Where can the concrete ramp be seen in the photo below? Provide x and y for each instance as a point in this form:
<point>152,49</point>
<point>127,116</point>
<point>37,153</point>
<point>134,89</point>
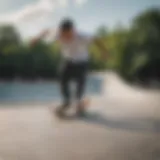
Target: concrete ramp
<point>29,134</point>
<point>122,124</point>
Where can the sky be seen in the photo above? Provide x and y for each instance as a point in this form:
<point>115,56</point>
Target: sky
<point>32,16</point>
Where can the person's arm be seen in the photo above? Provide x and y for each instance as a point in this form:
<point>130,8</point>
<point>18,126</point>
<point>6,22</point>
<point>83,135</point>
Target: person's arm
<point>42,35</point>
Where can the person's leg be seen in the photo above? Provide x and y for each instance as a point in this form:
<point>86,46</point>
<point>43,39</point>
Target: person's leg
<point>81,84</point>
<point>65,90</point>
<point>64,84</point>
<point>66,76</point>
<point>82,69</point>
<point>81,81</point>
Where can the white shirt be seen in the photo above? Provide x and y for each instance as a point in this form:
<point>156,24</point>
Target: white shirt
<point>77,49</point>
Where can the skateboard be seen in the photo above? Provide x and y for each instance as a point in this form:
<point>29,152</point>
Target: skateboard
<point>72,114</point>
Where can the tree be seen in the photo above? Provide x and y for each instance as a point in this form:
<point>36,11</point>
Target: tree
<point>102,31</point>
<point>135,51</point>
<point>146,40</point>
<point>9,38</point>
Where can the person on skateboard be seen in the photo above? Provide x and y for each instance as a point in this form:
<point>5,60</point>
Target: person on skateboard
<point>74,48</point>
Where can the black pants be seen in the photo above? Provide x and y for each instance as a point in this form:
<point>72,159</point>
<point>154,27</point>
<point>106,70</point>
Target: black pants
<point>73,71</point>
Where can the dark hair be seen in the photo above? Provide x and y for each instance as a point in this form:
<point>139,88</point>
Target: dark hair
<point>66,25</point>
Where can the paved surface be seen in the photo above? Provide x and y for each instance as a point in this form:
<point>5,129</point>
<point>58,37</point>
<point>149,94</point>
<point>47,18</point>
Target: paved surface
<point>122,124</point>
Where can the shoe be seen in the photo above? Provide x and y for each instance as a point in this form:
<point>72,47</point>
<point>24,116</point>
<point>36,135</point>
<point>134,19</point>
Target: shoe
<point>60,111</point>
<point>80,109</point>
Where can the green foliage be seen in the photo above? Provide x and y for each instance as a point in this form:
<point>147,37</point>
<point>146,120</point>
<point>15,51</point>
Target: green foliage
<point>9,38</point>
<point>133,52</point>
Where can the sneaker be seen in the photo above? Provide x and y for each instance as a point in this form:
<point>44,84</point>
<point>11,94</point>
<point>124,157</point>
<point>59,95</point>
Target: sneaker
<point>81,109</point>
<point>60,111</point>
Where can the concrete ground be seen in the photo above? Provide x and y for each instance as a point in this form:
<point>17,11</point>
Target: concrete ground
<point>122,124</point>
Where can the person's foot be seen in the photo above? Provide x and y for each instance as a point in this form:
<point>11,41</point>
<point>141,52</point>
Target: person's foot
<point>81,109</point>
<point>61,109</point>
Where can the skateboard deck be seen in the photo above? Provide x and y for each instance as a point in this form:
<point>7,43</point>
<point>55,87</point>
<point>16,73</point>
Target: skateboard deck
<point>72,114</point>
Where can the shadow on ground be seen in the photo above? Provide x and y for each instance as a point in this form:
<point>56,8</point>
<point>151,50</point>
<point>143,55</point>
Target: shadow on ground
<point>147,125</point>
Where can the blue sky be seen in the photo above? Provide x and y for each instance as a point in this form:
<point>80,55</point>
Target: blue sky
<point>88,15</point>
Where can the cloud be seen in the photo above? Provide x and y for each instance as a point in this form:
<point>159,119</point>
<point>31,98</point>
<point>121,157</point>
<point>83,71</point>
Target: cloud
<point>35,10</point>
<point>34,17</point>
<point>63,3</point>
<point>80,2</point>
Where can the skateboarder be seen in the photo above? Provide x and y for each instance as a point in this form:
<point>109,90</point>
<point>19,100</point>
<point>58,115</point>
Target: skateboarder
<point>74,49</point>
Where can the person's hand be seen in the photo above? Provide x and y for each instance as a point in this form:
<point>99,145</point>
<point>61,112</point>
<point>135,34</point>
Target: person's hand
<point>41,36</point>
